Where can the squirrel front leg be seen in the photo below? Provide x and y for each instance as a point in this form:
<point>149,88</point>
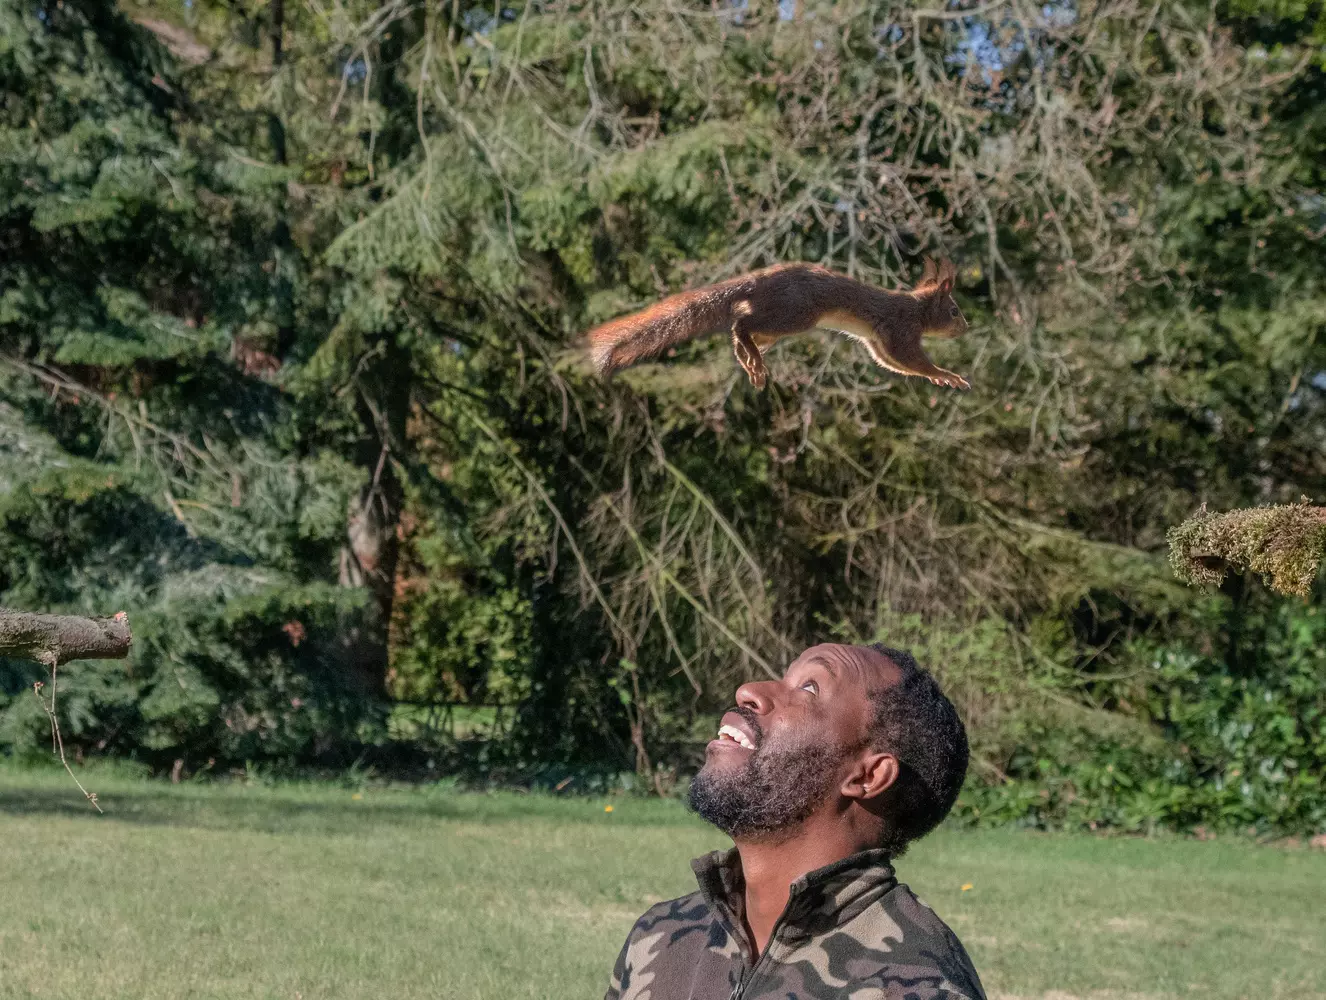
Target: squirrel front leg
<point>748,355</point>
<point>906,356</point>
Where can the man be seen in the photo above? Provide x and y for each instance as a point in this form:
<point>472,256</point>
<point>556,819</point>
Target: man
<point>820,779</point>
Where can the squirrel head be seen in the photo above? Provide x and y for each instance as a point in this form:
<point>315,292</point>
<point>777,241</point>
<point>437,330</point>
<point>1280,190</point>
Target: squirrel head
<point>939,310</point>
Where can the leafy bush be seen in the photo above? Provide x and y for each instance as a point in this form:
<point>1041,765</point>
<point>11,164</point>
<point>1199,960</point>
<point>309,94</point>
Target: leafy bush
<point>1244,746</point>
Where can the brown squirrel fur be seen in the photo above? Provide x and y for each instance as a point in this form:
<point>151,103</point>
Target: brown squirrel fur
<point>788,299</point>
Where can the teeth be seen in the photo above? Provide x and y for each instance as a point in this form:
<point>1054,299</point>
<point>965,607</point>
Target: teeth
<point>735,734</point>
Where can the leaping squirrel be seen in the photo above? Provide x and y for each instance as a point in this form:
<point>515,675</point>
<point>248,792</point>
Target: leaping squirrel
<point>788,299</point>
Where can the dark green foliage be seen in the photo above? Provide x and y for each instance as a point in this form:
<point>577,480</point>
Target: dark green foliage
<point>710,532</point>
<point>264,677</point>
<point>141,469</point>
<point>1241,748</point>
<point>98,259</point>
<point>233,658</point>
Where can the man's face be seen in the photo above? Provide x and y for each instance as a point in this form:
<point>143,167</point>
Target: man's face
<point>784,751</point>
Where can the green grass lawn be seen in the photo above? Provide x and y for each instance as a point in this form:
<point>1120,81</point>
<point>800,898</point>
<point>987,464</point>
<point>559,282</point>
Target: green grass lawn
<point>307,892</point>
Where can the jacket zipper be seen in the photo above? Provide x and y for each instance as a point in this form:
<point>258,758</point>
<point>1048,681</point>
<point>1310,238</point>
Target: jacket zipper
<point>736,990</point>
<point>744,979</point>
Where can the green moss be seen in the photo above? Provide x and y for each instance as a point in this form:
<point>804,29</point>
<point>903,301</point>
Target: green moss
<point>1284,543</point>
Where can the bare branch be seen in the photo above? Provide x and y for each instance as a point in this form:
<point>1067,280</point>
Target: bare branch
<point>54,639</point>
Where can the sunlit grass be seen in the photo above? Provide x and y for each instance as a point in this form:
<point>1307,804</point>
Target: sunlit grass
<point>305,891</point>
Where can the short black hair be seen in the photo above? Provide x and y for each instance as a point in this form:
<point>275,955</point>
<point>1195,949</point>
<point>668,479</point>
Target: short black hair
<point>915,722</point>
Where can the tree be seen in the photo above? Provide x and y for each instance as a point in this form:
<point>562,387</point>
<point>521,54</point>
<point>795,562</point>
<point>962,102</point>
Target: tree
<point>148,449</point>
<point>398,221</point>
<point>573,165</point>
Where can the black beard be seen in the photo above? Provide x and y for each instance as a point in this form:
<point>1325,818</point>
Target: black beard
<point>776,790</point>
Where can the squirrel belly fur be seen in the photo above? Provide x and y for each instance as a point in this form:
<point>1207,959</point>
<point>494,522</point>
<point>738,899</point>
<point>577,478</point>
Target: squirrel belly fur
<point>787,299</point>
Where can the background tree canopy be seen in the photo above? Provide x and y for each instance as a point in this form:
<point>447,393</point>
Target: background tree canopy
<point>290,297</point>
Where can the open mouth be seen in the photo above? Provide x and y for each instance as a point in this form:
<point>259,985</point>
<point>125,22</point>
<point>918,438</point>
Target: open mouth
<point>732,734</point>
<point>734,731</point>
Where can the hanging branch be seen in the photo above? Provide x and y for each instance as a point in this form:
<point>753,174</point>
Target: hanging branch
<point>56,639</point>
<point>188,457</point>
<point>1285,543</point>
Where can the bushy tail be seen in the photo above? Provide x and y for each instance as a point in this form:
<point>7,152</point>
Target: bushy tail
<point>623,342</point>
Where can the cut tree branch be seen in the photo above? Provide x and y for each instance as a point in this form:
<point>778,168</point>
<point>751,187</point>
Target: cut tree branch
<point>55,639</point>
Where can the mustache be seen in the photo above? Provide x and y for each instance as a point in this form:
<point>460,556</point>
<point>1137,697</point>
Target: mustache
<point>753,721</point>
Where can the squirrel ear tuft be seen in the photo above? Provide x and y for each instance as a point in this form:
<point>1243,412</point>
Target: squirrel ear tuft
<point>929,275</point>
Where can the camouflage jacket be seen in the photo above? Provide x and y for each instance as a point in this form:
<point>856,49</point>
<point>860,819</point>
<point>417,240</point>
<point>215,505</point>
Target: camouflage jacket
<point>850,930</point>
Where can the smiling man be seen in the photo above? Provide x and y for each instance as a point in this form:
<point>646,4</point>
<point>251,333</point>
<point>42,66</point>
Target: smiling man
<point>820,779</point>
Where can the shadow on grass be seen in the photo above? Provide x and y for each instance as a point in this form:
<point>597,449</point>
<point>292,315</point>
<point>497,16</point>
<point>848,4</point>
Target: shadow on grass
<point>325,811</point>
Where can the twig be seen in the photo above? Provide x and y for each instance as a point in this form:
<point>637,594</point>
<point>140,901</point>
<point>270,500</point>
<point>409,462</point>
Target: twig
<point>57,742</point>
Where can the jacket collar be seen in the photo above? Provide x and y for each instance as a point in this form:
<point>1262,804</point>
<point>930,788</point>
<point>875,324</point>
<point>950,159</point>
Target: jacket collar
<point>826,891</point>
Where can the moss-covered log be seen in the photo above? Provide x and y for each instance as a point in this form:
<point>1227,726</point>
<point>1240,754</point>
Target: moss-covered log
<point>1285,544</point>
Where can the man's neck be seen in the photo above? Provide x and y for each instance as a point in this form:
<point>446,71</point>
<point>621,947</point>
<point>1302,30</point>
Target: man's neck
<point>770,868</point>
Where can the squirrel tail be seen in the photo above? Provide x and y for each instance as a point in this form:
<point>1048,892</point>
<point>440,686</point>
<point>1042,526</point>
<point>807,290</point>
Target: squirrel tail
<point>622,342</point>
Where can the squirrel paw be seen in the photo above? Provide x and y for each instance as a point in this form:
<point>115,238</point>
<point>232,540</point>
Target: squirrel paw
<point>950,379</point>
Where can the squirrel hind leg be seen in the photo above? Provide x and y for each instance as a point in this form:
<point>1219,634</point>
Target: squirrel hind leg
<point>602,357</point>
<point>748,355</point>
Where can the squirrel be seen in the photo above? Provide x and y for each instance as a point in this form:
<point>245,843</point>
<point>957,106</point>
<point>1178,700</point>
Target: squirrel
<point>787,299</point>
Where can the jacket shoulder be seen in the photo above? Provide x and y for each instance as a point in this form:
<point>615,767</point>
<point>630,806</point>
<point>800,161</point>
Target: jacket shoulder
<point>917,911</point>
<point>671,915</point>
<point>667,946</point>
<point>924,933</point>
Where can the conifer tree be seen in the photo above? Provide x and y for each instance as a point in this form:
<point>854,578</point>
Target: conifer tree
<point>148,458</point>
<point>1145,310</point>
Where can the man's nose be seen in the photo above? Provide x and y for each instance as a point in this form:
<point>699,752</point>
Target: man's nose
<point>758,696</point>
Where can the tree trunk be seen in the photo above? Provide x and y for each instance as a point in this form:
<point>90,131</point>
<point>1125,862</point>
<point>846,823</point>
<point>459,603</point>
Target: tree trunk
<point>55,639</point>
<point>371,550</point>
<point>283,288</point>
<point>276,31</point>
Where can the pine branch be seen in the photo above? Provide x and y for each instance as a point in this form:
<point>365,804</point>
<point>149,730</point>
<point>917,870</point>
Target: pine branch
<point>178,446</point>
<point>1285,543</point>
<point>54,639</point>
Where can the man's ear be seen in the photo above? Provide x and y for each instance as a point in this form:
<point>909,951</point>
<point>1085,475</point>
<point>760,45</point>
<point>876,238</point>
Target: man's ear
<point>873,775</point>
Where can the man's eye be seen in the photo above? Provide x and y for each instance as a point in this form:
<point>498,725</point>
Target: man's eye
<point>811,686</point>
